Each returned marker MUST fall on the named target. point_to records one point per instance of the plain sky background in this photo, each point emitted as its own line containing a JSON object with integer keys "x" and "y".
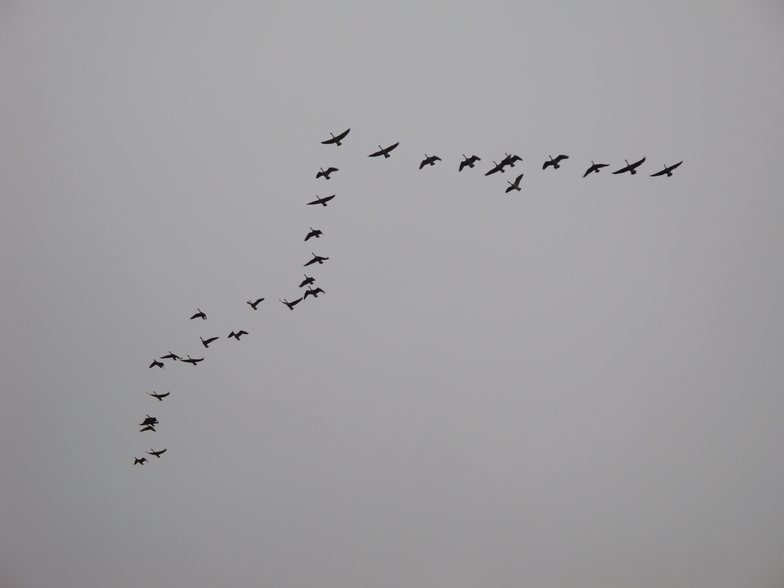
{"x": 577, "y": 384}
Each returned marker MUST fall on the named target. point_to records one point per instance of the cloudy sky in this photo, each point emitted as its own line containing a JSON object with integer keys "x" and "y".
{"x": 579, "y": 383}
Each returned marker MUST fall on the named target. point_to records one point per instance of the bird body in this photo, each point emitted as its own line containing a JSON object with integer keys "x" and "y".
{"x": 322, "y": 201}
{"x": 336, "y": 140}
{"x": 313, "y": 233}
{"x": 429, "y": 160}
{"x": 384, "y": 150}
{"x": 253, "y": 305}
{"x": 468, "y": 161}
{"x": 667, "y": 170}
{"x": 630, "y": 167}
{"x": 307, "y": 280}
{"x": 324, "y": 173}
{"x": 148, "y": 421}
{"x": 554, "y": 161}
{"x": 595, "y": 167}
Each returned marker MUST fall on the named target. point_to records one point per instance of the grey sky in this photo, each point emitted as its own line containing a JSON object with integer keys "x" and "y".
{"x": 576, "y": 384}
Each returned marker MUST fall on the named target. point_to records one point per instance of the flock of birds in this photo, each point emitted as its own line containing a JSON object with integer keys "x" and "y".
{"x": 509, "y": 160}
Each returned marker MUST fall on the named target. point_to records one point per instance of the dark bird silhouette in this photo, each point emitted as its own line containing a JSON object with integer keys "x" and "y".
{"x": 429, "y": 160}
{"x": 238, "y": 334}
{"x": 191, "y": 360}
{"x": 384, "y": 150}
{"x": 499, "y": 167}
{"x": 208, "y": 341}
{"x": 313, "y": 233}
{"x": 322, "y": 201}
{"x": 137, "y": 460}
{"x": 667, "y": 170}
{"x": 312, "y": 292}
{"x": 148, "y": 428}
{"x": 148, "y": 421}
{"x": 468, "y": 161}
{"x": 307, "y": 280}
{"x": 595, "y": 167}
{"x": 336, "y": 140}
{"x": 156, "y": 362}
{"x": 155, "y": 453}
{"x": 324, "y": 173}
{"x": 171, "y": 356}
{"x": 316, "y": 259}
{"x": 200, "y": 315}
{"x": 291, "y": 304}
{"x": 253, "y": 305}
{"x": 510, "y": 160}
{"x": 514, "y": 185}
{"x": 630, "y": 167}
{"x": 158, "y": 396}
{"x": 555, "y": 162}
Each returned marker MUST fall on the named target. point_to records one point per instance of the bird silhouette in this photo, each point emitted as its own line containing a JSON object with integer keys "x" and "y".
{"x": 667, "y": 170}
{"x": 148, "y": 428}
{"x": 499, "y": 167}
{"x": 155, "y": 362}
{"x": 514, "y": 185}
{"x": 384, "y": 150}
{"x": 312, "y": 292}
{"x": 595, "y": 167}
{"x": 322, "y": 201}
{"x": 238, "y": 334}
{"x": 325, "y": 173}
{"x": 148, "y": 421}
{"x": 192, "y": 361}
{"x": 630, "y": 167}
{"x": 316, "y": 259}
{"x": 155, "y": 453}
{"x": 208, "y": 341}
{"x": 171, "y": 356}
{"x": 429, "y": 160}
{"x": 555, "y": 162}
{"x": 253, "y": 305}
{"x": 336, "y": 140}
{"x": 200, "y": 315}
{"x": 510, "y": 160}
{"x": 313, "y": 233}
{"x": 468, "y": 161}
{"x": 137, "y": 460}
{"x": 291, "y": 304}
{"x": 307, "y": 280}
{"x": 158, "y": 396}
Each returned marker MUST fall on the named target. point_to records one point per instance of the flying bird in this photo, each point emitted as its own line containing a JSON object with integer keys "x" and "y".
{"x": 316, "y": 259}
{"x": 313, "y": 292}
{"x": 253, "y": 305}
{"x": 148, "y": 428}
{"x": 158, "y": 396}
{"x": 555, "y": 162}
{"x": 155, "y": 362}
{"x": 468, "y": 161}
{"x": 171, "y": 356}
{"x": 155, "y": 453}
{"x": 429, "y": 160}
{"x": 499, "y": 167}
{"x": 667, "y": 170}
{"x": 630, "y": 167}
{"x": 384, "y": 150}
{"x": 238, "y": 334}
{"x": 336, "y": 140}
{"x": 192, "y": 361}
{"x": 137, "y": 460}
{"x": 313, "y": 233}
{"x": 595, "y": 167}
{"x": 307, "y": 280}
{"x": 514, "y": 185}
{"x": 322, "y": 201}
{"x": 208, "y": 341}
{"x": 324, "y": 173}
{"x": 510, "y": 160}
{"x": 149, "y": 421}
{"x": 291, "y": 304}
{"x": 200, "y": 315}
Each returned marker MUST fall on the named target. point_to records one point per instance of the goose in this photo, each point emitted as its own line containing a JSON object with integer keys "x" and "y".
{"x": 667, "y": 170}
{"x": 192, "y": 361}
{"x": 313, "y": 233}
{"x": 238, "y": 334}
{"x": 313, "y": 292}
{"x": 429, "y": 160}
{"x": 316, "y": 259}
{"x": 630, "y": 167}
{"x": 137, "y": 460}
{"x": 200, "y": 315}
{"x": 160, "y": 397}
{"x": 336, "y": 140}
{"x": 307, "y": 280}
{"x": 291, "y": 304}
{"x": 155, "y": 362}
{"x": 514, "y": 185}
{"x": 384, "y": 150}
{"x": 171, "y": 356}
{"x": 468, "y": 161}
{"x": 555, "y": 162}
{"x": 324, "y": 173}
{"x": 499, "y": 167}
{"x": 595, "y": 167}
{"x": 253, "y": 305}
{"x": 148, "y": 428}
{"x": 322, "y": 201}
{"x": 155, "y": 453}
{"x": 208, "y": 341}
{"x": 148, "y": 421}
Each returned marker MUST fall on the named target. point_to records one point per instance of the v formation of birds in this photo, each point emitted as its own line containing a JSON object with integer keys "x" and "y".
{"x": 509, "y": 160}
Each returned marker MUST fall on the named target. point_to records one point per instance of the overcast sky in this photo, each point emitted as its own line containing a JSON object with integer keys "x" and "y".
{"x": 576, "y": 384}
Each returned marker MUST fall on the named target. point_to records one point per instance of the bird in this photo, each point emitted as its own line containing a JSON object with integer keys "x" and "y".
{"x": 499, "y": 167}
{"x": 238, "y": 334}
{"x": 156, "y": 362}
{"x": 384, "y": 150}
{"x": 336, "y": 140}
{"x": 555, "y": 162}
{"x": 253, "y": 305}
{"x": 429, "y": 160}
{"x": 595, "y": 167}
{"x": 138, "y": 460}
{"x": 324, "y": 173}
{"x": 291, "y": 304}
{"x": 171, "y": 356}
{"x": 313, "y": 233}
{"x": 307, "y": 280}
{"x": 468, "y": 161}
{"x": 149, "y": 421}
{"x": 208, "y": 341}
{"x": 514, "y": 185}
{"x": 630, "y": 167}
{"x": 316, "y": 259}
{"x": 510, "y": 160}
{"x": 192, "y": 361}
{"x": 160, "y": 397}
{"x": 200, "y": 315}
{"x": 155, "y": 453}
{"x": 148, "y": 428}
{"x": 322, "y": 201}
{"x": 313, "y": 292}
{"x": 667, "y": 170}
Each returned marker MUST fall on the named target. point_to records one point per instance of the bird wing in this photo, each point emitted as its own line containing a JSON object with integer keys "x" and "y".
{"x": 391, "y": 147}
{"x": 661, "y": 173}
{"x": 328, "y": 198}
{"x": 561, "y": 158}
{"x": 343, "y": 134}
{"x": 637, "y": 164}
{"x": 424, "y": 162}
